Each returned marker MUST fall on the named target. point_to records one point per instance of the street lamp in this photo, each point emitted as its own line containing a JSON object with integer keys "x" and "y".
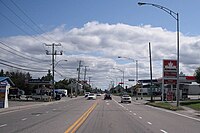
{"x": 176, "y": 17}
{"x": 135, "y": 67}
{"x": 122, "y": 73}
{"x": 112, "y": 81}
{"x": 135, "y": 70}
{"x": 58, "y": 62}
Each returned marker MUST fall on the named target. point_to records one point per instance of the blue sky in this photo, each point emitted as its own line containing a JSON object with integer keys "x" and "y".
{"x": 75, "y": 13}
{"x": 97, "y": 32}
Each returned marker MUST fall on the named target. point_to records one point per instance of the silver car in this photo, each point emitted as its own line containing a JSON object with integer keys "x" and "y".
{"x": 126, "y": 98}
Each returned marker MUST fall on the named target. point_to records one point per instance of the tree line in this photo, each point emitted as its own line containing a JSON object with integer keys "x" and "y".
{"x": 20, "y": 79}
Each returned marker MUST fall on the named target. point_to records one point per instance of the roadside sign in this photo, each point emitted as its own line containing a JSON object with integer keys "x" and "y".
{"x": 170, "y": 71}
{"x": 38, "y": 81}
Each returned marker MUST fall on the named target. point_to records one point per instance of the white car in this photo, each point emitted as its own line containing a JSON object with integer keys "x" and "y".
{"x": 86, "y": 94}
{"x": 92, "y": 96}
{"x": 126, "y": 98}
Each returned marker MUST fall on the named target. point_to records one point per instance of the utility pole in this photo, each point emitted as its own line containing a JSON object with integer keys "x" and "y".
{"x": 53, "y": 53}
{"x": 84, "y": 78}
{"x": 85, "y": 73}
{"x": 150, "y": 71}
{"x": 78, "y": 69}
{"x": 89, "y": 80}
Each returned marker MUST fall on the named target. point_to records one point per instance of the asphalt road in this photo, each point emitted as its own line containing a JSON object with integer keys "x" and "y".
{"x": 96, "y": 116}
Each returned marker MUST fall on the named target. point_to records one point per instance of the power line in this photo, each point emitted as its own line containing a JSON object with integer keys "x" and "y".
{"x": 29, "y": 18}
{"x": 22, "y": 54}
{"x": 19, "y": 27}
{"x": 21, "y": 19}
{"x": 17, "y": 64}
{"x": 23, "y": 68}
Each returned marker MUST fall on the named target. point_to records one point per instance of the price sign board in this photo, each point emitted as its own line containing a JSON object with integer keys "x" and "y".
{"x": 170, "y": 71}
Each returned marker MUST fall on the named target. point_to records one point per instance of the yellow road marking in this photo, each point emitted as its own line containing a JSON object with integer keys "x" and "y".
{"x": 80, "y": 121}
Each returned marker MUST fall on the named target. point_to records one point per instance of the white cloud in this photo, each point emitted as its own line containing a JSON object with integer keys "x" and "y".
{"x": 99, "y": 44}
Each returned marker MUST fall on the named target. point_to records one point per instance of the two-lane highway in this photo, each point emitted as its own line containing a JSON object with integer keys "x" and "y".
{"x": 51, "y": 118}
{"x": 96, "y": 116}
{"x": 111, "y": 116}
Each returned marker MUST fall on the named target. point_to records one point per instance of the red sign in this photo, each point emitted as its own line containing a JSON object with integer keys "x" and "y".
{"x": 169, "y": 65}
{"x": 170, "y": 81}
{"x": 170, "y": 74}
{"x": 170, "y": 71}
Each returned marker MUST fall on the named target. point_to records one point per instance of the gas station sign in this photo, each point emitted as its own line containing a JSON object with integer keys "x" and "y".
{"x": 170, "y": 71}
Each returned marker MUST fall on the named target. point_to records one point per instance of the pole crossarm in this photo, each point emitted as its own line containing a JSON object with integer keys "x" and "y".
{"x": 122, "y": 75}
{"x": 167, "y": 10}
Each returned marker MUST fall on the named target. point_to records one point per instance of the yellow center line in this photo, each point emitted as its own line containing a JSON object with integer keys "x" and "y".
{"x": 80, "y": 121}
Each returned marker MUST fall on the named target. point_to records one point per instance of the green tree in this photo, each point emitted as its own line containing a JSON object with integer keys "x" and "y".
{"x": 2, "y": 73}
{"x": 48, "y": 77}
{"x": 197, "y": 75}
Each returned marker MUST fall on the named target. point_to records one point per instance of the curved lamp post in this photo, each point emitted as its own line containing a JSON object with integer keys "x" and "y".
{"x": 176, "y": 17}
{"x": 122, "y": 73}
{"x": 136, "y": 76}
{"x": 58, "y": 62}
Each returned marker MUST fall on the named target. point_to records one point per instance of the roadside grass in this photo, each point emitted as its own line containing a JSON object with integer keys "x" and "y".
{"x": 164, "y": 105}
{"x": 194, "y": 104}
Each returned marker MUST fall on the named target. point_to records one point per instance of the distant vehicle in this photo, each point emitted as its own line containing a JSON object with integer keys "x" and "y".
{"x": 107, "y": 96}
{"x": 92, "y": 96}
{"x": 58, "y": 96}
{"x": 98, "y": 94}
{"x": 86, "y": 94}
{"x": 15, "y": 93}
{"x": 63, "y": 92}
{"x": 125, "y": 98}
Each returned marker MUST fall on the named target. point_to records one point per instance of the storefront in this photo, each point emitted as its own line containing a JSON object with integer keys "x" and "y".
{"x": 5, "y": 84}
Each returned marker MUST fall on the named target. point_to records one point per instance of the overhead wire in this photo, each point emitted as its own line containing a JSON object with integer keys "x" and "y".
{"x": 22, "y": 54}
{"x": 27, "y": 33}
{"x": 20, "y": 65}
{"x": 23, "y": 68}
{"x": 20, "y": 28}
{"x": 19, "y": 8}
{"x": 22, "y": 19}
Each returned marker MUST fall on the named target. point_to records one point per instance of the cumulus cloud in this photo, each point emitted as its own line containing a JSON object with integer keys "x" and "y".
{"x": 99, "y": 44}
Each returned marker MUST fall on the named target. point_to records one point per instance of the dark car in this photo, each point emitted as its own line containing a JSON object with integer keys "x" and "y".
{"x": 107, "y": 96}
{"x": 58, "y": 96}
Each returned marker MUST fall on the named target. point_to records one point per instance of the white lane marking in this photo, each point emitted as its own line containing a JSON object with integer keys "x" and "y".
{"x": 134, "y": 113}
{"x": 3, "y": 125}
{"x": 108, "y": 103}
{"x": 119, "y": 104}
{"x": 47, "y": 111}
{"x": 163, "y": 131}
{"x": 149, "y": 123}
{"x": 24, "y": 119}
{"x": 54, "y": 109}
{"x": 130, "y": 111}
{"x": 140, "y": 117}
{"x": 38, "y": 115}
{"x": 174, "y": 113}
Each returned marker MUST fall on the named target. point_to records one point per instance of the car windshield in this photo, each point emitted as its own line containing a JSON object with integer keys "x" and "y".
{"x": 125, "y": 96}
{"x": 91, "y": 94}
